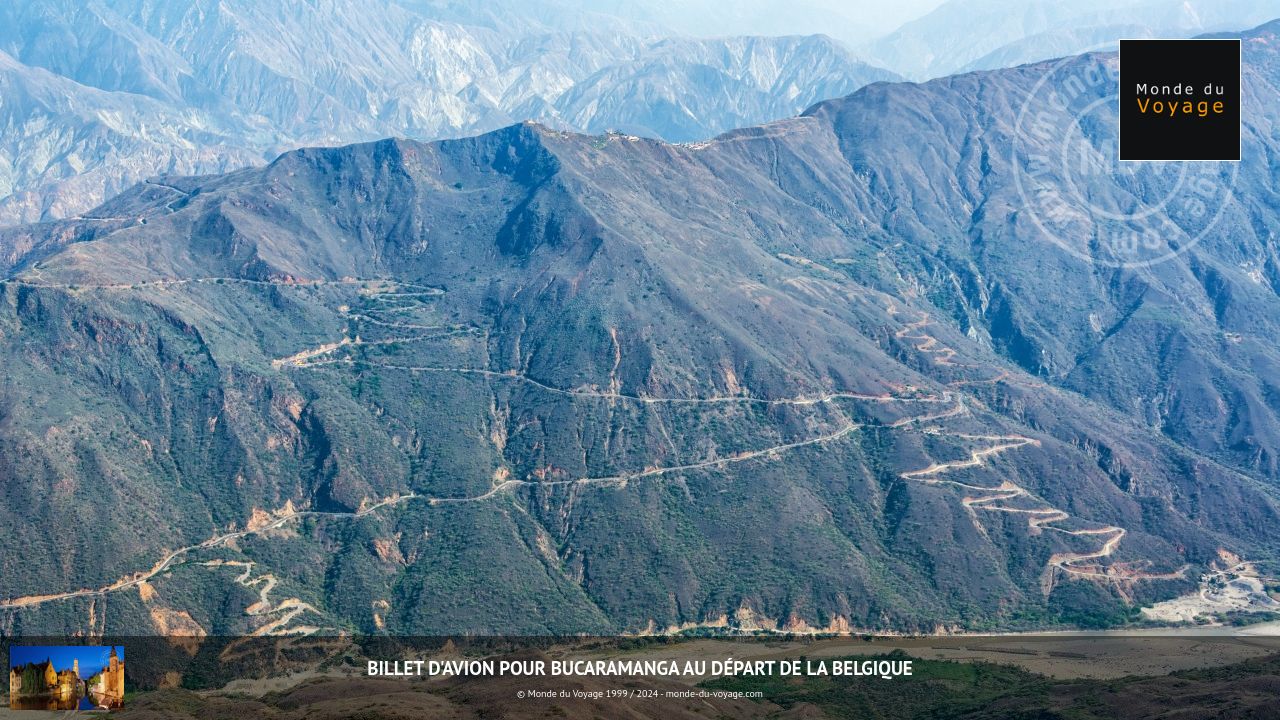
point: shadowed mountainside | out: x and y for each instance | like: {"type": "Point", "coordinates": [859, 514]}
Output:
{"type": "Point", "coordinates": [819, 374]}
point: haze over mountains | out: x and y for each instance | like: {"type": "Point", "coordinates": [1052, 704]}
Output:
{"type": "Point", "coordinates": [822, 373]}
{"type": "Point", "coordinates": [964, 35]}
{"type": "Point", "coordinates": [100, 95]}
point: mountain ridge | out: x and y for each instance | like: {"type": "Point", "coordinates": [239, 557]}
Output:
{"type": "Point", "coordinates": [801, 376]}
{"type": "Point", "coordinates": [244, 68]}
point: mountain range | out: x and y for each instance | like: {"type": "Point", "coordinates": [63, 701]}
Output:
{"type": "Point", "coordinates": [833, 372]}
{"type": "Point", "coordinates": [101, 95]}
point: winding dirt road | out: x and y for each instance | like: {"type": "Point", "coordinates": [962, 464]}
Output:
{"type": "Point", "coordinates": [999, 498]}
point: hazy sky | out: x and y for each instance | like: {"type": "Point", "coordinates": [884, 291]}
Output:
{"type": "Point", "coordinates": [92, 658]}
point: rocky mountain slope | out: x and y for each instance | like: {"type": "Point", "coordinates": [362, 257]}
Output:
{"type": "Point", "coordinates": [802, 376]}
{"type": "Point", "coordinates": [67, 146]}
{"type": "Point", "coordinates": [101, 95]}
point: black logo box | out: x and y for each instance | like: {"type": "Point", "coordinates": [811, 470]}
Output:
{"type": "Point", "coordinates": [1187, 65]}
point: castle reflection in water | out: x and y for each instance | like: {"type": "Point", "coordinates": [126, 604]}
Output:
{"type": "Point", "coordinates": [51, 684]}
